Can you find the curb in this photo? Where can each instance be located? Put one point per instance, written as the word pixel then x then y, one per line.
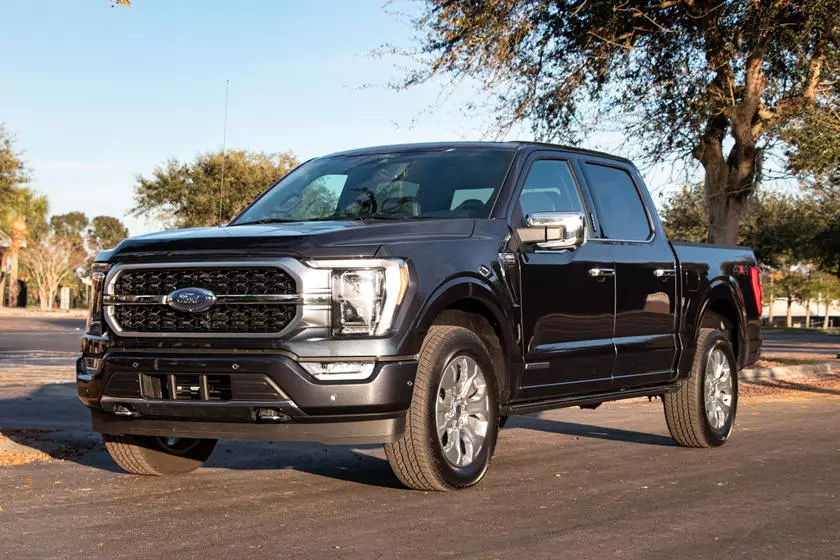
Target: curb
pixel 784 372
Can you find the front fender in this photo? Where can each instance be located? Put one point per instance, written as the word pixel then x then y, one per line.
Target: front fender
pixel 472 293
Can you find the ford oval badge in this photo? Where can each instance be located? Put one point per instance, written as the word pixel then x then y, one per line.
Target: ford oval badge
pixel 193 300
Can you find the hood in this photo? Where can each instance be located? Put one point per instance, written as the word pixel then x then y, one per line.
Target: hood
pixel 307 239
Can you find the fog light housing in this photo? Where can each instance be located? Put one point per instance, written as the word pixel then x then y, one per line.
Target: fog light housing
pixel 92 365
pixel 339 371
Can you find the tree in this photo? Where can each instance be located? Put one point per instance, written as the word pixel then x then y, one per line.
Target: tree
pixel 13 172
pixel 790 286
pixel 712 80
pixel 189 194
pixel 683 216
pixel 105 232
pixel 828 286
pixel 72 226
pixel 50 261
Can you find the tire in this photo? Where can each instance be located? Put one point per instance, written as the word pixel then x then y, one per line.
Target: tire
pixel 150 455
pixel 685 408
pixel 422 459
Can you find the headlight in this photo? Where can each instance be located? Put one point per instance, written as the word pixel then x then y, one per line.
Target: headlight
pixel 365 294
pixel 97 278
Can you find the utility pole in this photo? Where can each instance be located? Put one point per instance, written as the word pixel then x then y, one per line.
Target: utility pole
pixel 224 151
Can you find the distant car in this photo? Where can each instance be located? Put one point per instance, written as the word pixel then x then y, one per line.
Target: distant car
pixel 415 296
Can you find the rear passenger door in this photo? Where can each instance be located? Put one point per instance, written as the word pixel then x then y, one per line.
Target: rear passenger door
pixel 645 274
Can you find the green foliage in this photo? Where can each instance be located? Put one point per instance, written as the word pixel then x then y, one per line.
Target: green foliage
pixel 682 78
pixel 105 232
pixel 13 172
pixel 188 194
pixel 683 216
pixel 23 201
pixel 826 286
pixel 782 230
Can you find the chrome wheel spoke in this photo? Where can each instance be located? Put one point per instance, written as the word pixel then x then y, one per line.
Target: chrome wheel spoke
pixel 462 410
pixel 718 389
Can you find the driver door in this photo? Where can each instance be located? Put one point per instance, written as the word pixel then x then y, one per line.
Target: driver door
pixel 568 295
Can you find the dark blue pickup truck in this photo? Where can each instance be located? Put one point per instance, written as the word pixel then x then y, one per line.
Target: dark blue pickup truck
pixel 416 296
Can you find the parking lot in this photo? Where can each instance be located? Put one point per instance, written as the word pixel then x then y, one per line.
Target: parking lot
pixel 565 483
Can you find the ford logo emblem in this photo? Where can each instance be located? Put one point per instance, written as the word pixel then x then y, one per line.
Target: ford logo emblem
pixel 193 300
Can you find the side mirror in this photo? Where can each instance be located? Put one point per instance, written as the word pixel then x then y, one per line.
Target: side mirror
pixel 554 230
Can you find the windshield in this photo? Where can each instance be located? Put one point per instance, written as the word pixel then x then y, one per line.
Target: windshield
pixel 457 183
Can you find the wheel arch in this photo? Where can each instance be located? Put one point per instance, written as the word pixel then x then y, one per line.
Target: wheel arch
pixel 722 302
pixel 471 304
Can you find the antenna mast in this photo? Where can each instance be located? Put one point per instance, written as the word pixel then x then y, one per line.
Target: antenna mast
pixel 224 150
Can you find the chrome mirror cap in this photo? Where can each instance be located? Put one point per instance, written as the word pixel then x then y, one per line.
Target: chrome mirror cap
pixel 554 230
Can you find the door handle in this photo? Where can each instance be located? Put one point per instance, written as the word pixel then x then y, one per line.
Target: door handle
pixel 664 272
pixel 601 272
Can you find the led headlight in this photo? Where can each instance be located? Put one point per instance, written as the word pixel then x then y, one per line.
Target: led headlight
pixel 365 294
pixel 97 277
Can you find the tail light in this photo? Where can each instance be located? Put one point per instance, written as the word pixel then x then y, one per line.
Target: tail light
pixel 758 291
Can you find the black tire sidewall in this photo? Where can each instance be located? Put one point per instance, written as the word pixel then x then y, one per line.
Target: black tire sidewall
pixel 462 344
pixel 717 340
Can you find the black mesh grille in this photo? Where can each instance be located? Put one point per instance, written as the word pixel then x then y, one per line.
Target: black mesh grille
pixel 220 318
pixel 220 281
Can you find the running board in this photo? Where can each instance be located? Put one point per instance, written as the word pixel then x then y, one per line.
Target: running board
pixel 537 406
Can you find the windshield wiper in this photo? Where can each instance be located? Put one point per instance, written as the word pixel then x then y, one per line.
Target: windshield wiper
pixel 394 217
pixel 266 221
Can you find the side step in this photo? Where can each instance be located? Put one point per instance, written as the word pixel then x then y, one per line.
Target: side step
pixel 586 400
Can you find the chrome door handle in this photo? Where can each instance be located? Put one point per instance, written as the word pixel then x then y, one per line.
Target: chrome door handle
pixel 664 272
pixel 601 272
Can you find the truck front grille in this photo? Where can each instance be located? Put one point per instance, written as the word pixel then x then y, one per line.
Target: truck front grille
pixel 260 300
pixel 221 318
pixel 220 281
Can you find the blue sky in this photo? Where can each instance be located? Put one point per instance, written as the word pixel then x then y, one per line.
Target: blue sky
pixel 97 95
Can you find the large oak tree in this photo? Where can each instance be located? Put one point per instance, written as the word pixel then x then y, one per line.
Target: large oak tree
pixel 714 80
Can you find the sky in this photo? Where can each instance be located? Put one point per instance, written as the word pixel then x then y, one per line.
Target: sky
pixel 96 95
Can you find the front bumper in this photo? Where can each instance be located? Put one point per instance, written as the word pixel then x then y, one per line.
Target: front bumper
pixel 369 411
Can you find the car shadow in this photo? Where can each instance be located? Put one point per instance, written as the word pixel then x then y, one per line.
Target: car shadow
pixel 51 420
pixel 587 431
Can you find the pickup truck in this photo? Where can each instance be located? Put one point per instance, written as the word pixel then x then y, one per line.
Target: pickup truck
pixel 415 296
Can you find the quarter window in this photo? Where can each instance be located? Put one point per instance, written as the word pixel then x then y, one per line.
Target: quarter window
pixel 550 187
pixel 620 209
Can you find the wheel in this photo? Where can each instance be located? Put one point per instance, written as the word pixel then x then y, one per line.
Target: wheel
pixel 452 424
pixel 158 456
pixel 701 411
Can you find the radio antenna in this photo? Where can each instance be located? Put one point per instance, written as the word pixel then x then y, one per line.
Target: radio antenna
pixel 224 150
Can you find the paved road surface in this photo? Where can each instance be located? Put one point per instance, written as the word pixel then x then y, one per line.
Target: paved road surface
pixel 569 483
pixel 819 344
pixel 572 483
pixel 36 342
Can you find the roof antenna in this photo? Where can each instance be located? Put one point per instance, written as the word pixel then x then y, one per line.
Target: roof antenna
pixel 224 151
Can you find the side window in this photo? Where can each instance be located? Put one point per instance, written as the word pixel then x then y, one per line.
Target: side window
pixel 620 209
pixel 550 187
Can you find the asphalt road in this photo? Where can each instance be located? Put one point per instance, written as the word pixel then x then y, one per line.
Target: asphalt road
pixel 786 342
pixel 571 483
pixel 37 342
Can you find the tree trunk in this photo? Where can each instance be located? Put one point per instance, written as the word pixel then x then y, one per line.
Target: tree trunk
pixel 44 297
pixel 770 311
pixel 827 314
pixel 728 181
pixel 807 313
pixel 789 312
